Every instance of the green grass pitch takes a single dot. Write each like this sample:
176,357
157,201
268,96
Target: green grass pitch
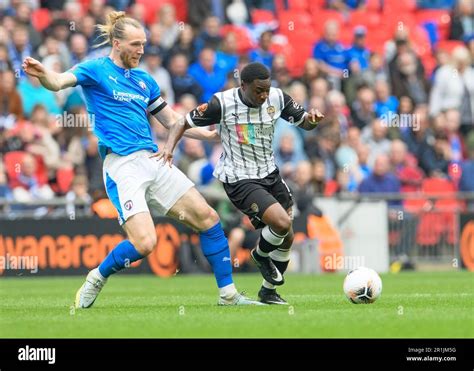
412,305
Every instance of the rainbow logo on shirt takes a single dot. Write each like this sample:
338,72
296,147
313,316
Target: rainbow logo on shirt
245,133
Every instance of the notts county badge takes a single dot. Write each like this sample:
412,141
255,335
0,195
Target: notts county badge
271,111
254,207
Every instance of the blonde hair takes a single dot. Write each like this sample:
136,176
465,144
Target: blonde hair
114,28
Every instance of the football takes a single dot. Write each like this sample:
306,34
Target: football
362,285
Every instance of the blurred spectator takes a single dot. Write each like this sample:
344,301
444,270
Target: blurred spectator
435,159
4,189
363,107
375,136
384,102
78,47
169,24
330,53
199,10
376,70
302,187
227,58
138,12
452,120
407,80
27,186
11,108
323,146
191,150
280,74
363,169
185,44
462,20
152,63
417,139
358,55
287,156
318,178
320,88
337,110
405,167
453,88
33,93
262,53
19,47
93,163
209,76
79,192
210,36
311,72
23,17
466,183
381,180
182,81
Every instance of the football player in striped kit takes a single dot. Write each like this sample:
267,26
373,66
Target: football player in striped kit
246,118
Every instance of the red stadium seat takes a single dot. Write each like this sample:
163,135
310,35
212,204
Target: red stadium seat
262,16
152,7
396,6
371,20
373,5
40,18
244,42
13,162
293,20
302,5
440,17
64,178
397,21
446,207
321,16
301,49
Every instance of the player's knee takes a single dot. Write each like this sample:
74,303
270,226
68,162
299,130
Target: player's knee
207,218
290,237
145,244
282,225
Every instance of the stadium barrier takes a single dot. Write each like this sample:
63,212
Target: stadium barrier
354,230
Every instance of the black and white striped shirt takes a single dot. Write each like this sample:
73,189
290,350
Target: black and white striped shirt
246,132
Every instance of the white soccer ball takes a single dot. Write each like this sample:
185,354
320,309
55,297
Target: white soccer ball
362,285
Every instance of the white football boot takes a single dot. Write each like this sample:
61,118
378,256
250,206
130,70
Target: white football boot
88,292
238,299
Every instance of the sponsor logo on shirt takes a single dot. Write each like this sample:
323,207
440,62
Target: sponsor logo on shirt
128,97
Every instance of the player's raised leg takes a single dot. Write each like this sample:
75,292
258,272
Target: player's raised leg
193,210
278,226
141,242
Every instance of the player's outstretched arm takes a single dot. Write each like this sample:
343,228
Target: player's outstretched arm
49,79
176,132
312,119
168,117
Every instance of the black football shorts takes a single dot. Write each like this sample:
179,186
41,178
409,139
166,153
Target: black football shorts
254,196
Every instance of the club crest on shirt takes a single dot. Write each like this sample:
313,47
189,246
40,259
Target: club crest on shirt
128,205
254,207
271,111
142,85
202,108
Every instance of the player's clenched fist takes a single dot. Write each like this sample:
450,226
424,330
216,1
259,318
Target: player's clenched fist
33,67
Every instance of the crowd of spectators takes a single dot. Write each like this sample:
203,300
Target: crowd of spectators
394,115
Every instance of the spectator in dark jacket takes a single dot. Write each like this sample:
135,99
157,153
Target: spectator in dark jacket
381,180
